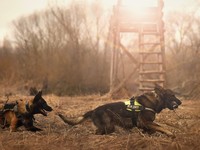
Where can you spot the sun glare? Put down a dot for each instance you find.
(139, 3)
(137, 8)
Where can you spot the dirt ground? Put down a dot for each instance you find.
(184, 123)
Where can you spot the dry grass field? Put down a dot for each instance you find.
(185, 123)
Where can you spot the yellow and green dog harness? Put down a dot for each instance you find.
(133, 105)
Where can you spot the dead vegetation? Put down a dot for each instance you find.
(57, 135)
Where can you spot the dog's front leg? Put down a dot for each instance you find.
(156, 127)
(13, 124)
(30, 127)
(33, 129)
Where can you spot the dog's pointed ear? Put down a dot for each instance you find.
(37, 96)
(159, 89)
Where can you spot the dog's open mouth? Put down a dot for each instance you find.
(43, 112)
(175, 106)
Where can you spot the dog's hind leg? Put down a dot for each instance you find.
(109, 124)
(103, 123)
(103, 129)
(98, 123)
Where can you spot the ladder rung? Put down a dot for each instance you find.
(128, 30)
(146, 89)
(151, 72)
(143, 52)
(149, 43)
(151, 63)
(150, 33)
(151, 80)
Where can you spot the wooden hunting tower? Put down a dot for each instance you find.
(150, 57)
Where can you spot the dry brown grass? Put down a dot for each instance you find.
(57, 135)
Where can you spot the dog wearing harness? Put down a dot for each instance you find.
(17, 116)
(21, 113)
(140, 111)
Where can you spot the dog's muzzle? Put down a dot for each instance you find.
(48, 108)
(44, 109)
(174, 105)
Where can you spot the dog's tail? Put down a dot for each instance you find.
(75, 121)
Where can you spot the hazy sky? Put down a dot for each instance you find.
(12, 9)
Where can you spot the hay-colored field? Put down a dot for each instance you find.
(56, 135)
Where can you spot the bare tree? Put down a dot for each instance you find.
(182, 43)
(63, 45)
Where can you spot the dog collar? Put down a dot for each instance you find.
(150, 109)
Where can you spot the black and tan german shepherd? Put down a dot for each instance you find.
(141, 111)
(22, 112)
